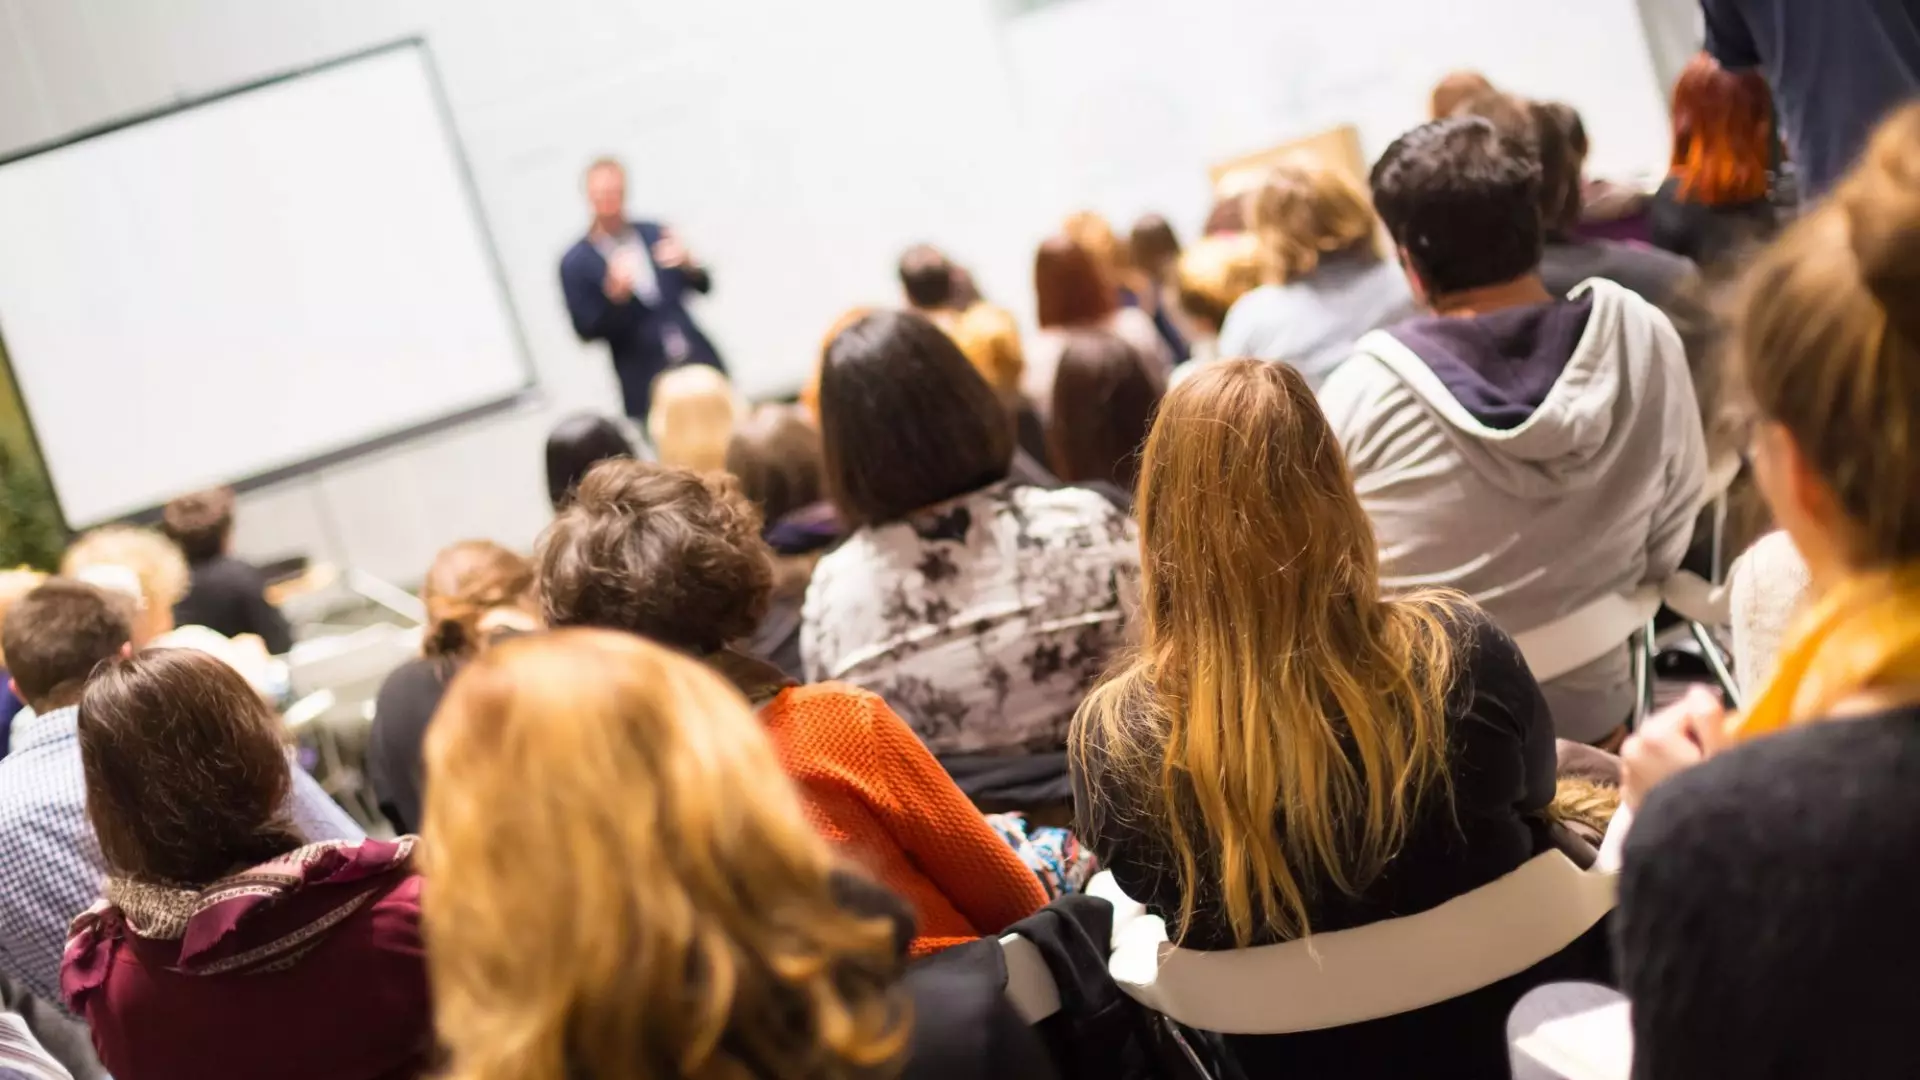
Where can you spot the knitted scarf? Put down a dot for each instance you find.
(1864, 634)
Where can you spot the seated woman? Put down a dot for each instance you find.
(1103, 403)
(1072, 291)
(1766, 923)
(1210, 278)
(576, 445)
(475, 591)
(676, 556)
(1399, 748)
(692, 417)
(1326, 284)
(1714, 203)
(223, 941)
(624, 885)
(981, 609)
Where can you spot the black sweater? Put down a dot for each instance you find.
(1766, 924)
(230, 596)
(1502, 764)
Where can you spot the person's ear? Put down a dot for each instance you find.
(1418, 286)
(126, 650)
(14, 689)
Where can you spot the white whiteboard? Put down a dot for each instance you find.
(252, 284)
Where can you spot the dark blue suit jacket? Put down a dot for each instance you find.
(633, 329)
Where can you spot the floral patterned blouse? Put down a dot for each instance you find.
(982, 620)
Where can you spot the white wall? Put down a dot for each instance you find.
(799, 147)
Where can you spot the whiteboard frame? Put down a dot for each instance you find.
(526, 393)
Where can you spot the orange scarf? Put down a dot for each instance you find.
(1864, 634)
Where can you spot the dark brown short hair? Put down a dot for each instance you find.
(660, 551)
(776, 456)
(927, 276)
(1104, 398)
(200, 523)
(187, 773)
(906, 420)
(1069, 286)
(1461, 198)
(1560, 138)
(57, 634)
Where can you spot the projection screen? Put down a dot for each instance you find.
(251, 285)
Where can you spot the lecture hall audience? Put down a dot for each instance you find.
(476, 592)
(623, 884)
(1537, 453)
(50, 861)
(1764, 925)
(223, 934)
(1293, 751)
(676, 556)
(733, 815)
(1325, 284)
(979, 608)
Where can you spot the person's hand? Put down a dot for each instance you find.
(1676, 738)
(669, 253)
(619, 281)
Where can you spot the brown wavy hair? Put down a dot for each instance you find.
(466, 582)
(667, 553)
(1281, 722)
(1826, 331)
(621, 882)
(1306, 211)
(186, 767)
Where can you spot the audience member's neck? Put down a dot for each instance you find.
(609, 227)
(1524, 291)
(52, 702)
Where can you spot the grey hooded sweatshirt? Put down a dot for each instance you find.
(1534, 458)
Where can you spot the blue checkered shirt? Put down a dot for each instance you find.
(50, 867)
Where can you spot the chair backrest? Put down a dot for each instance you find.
(1030, 986)
(1579, 638)
(1382, 969)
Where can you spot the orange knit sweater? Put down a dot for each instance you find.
(879, 795)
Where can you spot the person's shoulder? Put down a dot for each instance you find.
(579, 255)
(826, 705)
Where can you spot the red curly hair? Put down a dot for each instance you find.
(1722, 134)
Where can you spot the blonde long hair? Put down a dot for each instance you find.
(1274, 684)
(621, 881)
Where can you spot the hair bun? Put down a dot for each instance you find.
(1881, 200)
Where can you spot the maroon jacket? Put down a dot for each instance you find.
(309, 967)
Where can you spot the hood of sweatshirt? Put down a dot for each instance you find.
(1538, 400)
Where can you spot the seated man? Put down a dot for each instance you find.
(225, 594)
(50, 868)
(1535, 452)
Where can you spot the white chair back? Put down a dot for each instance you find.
(1579, 638)
(1369, 972)
(1030, 986)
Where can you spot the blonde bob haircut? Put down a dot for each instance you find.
(1273, 682)
(692, 416)
(621, 882)
(1306, 211)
